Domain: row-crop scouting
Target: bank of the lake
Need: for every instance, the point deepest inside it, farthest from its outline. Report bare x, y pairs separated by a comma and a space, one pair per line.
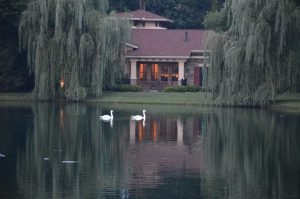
289, 102
20, 97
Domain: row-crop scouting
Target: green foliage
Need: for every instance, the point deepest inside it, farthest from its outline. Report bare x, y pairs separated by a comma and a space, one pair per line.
128, 88
216, 20
73, 41
182, 89
254, 59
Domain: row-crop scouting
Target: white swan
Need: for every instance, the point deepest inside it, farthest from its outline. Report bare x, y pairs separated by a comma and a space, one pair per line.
139, 117
107, 117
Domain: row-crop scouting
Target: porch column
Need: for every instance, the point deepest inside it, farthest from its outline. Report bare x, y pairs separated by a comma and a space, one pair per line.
133, 79
180, 71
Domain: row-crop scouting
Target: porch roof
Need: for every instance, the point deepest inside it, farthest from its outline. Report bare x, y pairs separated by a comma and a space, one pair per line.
165, 43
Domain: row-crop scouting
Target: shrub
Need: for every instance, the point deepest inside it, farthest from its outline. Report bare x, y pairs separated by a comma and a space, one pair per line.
128, 88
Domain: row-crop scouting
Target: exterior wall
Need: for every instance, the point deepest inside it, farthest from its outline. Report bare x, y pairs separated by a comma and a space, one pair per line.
151, 24
189, 69
189, 72
147, 25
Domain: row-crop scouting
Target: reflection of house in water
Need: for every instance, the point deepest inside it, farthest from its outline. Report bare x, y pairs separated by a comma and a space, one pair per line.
184, 131
164, 147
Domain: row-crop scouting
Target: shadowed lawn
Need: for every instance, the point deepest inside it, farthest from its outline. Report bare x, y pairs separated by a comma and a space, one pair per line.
15, 97
194, 98
289, 102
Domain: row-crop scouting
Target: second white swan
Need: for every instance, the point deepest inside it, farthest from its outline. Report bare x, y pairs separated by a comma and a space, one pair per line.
107, 117
139, 117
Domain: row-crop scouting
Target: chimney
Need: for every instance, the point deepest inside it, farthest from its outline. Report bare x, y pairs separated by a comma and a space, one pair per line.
186, 36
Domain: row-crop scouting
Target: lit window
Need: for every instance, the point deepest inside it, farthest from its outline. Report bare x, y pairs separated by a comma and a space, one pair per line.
154, 75
143, 72
175, 73
164, 74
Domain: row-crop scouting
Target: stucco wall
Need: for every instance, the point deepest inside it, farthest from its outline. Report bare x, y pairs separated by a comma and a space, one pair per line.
189, 69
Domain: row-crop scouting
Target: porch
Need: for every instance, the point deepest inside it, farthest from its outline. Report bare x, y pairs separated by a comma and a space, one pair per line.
155, 75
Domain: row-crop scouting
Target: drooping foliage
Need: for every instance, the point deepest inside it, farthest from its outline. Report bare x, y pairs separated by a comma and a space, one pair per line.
73, 47
255, 51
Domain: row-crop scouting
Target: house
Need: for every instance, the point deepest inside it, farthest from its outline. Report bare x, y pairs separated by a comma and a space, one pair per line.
157, 57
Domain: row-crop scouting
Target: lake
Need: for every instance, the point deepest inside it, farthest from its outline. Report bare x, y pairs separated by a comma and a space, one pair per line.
58, 150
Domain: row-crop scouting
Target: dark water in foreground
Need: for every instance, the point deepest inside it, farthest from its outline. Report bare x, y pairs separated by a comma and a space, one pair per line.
178, 152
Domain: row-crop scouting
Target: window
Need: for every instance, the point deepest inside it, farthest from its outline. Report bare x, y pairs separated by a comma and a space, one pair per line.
143, 72
164, 74
154, 74
175, 74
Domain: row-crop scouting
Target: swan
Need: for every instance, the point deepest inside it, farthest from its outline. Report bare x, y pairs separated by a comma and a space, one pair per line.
107, 117
139, 117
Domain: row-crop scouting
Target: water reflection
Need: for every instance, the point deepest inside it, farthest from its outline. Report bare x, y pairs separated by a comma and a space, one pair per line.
70, 133
224, 153
251, 154
184, 131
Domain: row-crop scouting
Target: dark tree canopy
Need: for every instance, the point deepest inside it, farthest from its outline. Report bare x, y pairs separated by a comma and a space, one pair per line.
13, 71
185, 13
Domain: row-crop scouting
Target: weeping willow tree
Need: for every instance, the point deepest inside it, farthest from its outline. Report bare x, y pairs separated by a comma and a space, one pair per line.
255, 51
73, 47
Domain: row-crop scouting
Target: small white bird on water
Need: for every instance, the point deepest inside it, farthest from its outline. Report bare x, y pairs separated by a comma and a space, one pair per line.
139, 117
107, 117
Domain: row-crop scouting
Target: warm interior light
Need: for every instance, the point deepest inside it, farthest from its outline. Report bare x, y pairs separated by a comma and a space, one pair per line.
62, 83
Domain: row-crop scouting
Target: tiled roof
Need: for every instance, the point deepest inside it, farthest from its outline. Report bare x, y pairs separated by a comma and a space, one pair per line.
165, 43
142, 15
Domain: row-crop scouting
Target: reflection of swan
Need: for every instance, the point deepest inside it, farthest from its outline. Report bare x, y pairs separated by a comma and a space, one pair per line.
107, 117
139, 117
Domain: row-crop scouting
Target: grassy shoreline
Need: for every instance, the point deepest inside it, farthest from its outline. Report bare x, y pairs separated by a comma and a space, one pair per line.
193, 98
289, 102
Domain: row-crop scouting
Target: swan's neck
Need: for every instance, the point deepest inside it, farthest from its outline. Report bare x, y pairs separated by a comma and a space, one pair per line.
111, 114
144, 115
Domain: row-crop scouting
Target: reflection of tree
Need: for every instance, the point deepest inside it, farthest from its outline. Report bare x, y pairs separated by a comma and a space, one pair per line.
69, 132
252, 152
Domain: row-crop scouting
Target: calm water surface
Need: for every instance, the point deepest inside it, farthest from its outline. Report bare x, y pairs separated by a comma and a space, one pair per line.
65, 151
